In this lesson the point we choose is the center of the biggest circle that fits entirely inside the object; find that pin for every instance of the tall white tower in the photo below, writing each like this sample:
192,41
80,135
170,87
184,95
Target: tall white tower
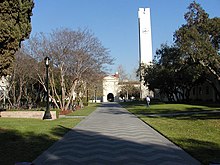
145,45
145,39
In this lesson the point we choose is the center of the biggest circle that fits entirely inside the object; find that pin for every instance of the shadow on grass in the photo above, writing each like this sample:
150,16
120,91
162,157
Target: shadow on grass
197,116
19,147
204,151
60,131
143,103
209,111
207,115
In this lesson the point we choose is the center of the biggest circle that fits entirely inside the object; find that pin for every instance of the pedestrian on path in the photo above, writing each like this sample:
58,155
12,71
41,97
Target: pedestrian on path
148,101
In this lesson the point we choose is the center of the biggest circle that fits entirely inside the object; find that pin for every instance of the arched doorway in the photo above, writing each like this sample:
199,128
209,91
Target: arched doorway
110,97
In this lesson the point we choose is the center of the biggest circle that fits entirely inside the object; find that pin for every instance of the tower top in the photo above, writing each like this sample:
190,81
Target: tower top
142,11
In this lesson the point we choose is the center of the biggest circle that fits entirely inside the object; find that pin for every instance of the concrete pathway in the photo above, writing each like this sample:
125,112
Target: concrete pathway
113,136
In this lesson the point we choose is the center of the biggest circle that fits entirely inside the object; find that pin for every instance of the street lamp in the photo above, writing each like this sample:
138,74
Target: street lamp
95,93
47,114
87,96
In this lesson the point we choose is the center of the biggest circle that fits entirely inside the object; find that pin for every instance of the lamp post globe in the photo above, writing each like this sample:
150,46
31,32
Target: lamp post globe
47,61
47,114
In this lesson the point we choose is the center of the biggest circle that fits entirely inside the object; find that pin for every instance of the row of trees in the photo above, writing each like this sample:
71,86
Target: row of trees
77,62
193,58
78,59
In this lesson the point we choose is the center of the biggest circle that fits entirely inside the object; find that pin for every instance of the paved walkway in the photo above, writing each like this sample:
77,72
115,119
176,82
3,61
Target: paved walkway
113,136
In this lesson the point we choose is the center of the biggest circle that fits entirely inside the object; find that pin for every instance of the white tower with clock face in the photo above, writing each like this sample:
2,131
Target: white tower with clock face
145,39
145,46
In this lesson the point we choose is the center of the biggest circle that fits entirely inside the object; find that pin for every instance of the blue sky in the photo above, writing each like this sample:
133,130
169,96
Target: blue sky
115,22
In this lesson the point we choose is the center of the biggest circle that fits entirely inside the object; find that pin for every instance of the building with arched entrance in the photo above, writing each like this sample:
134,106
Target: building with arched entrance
110,88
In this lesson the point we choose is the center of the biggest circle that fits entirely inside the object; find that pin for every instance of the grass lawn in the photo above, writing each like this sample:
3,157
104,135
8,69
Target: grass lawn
198,134
162,108
22,140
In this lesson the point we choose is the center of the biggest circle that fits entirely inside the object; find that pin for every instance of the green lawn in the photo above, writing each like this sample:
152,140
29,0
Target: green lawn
198,134
24,139
141,109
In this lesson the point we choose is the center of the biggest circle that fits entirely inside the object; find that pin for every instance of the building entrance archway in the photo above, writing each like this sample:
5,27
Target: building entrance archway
110,97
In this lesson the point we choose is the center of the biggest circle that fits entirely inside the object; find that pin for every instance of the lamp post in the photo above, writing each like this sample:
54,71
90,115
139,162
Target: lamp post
47,114
87,96
95,93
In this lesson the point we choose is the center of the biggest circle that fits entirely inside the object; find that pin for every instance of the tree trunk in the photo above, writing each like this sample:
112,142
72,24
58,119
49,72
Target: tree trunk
63,90
71,93
18,101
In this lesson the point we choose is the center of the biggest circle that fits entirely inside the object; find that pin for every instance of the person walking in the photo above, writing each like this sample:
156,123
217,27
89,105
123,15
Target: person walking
148,101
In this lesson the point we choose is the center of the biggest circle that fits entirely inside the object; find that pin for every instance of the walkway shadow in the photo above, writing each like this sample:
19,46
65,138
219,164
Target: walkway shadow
80,147
115,111
110,104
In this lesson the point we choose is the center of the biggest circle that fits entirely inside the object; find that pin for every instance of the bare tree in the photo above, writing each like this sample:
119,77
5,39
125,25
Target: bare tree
21,80
122,74
77,57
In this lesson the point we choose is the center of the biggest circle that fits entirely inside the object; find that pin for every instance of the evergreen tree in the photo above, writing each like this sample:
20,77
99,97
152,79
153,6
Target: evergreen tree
15,26
199,41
